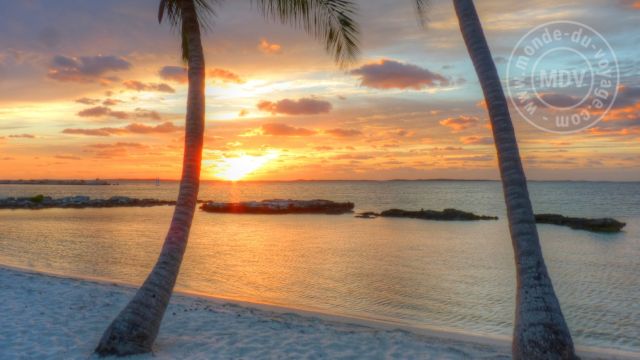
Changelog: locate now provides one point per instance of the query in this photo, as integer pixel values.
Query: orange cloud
(460, 123)
(225, 76)
(133, 128)
(303, 106)
(116, 145)
(276, 129)
(343, 132)
(87, 101)
(22, 136)
(100, 111)
(269, 48)
(391, 74)
(67, 157)
(476, 140)
(140, 86)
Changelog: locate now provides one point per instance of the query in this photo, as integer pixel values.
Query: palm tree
(136, 327)
(540, 331)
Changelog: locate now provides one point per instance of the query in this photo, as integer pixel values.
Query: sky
(97, 89)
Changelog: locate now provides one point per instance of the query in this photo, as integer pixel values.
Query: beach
(60, 318)
(53, 317)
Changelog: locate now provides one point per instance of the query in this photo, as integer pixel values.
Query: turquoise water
(445, 275)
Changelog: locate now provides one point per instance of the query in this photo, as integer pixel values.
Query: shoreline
(430, 336)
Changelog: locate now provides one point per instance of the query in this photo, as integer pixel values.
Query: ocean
(453, 276)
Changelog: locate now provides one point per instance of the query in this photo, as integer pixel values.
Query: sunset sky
(97, 89)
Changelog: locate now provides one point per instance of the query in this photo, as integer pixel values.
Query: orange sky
(98, 90)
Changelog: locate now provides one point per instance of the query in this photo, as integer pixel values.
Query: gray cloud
(391, 74)
(174, 73)
(303, 106)
(85, 68)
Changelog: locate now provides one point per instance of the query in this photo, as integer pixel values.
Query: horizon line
(313, 180)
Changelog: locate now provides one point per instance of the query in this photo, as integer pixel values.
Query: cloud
(557, 100)
(391, 74)
(460, 123)
(147, 114)
(269, 48)
(343, 132)
(22, 136)
(133, 128)
(472, 158)
(100, 111)
(174, 73)
(140, 86)
(243, 112)
(67, 157)
(225, 76)
(276, 129)
(634, 4)
(117, 145)
(111, 102)
(85, 68)
(476, 140)
(87, 101)
(103, 111)
(303, 106)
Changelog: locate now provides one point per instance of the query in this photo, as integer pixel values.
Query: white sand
(50, 317)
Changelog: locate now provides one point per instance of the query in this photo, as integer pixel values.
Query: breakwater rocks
(77, 202)
(594, 225)
(280, 206)
(446, 215)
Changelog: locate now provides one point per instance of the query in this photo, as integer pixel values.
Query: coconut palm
(540, 331)
(136, 327)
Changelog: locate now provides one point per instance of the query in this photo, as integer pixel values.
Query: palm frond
(422, 9)
(330, 21)
(171, 8)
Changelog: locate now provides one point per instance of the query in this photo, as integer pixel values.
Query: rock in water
(595, 225)
(280, 206)
(446, 214)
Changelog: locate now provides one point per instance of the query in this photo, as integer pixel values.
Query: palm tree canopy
(330, 21)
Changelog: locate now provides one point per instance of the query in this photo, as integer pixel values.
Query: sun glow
(236, 168)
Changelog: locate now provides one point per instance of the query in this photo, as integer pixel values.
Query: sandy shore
(51, 317)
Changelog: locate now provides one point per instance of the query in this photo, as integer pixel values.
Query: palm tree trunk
(540, 331)
(135, 329)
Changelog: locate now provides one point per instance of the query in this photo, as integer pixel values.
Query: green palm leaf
(330, 21)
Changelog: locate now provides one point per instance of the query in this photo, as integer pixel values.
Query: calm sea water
(445, 275)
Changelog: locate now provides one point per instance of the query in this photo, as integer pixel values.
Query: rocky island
(77, 202)
(280, 206)
(594, 225)
(55, 182)
(446, 214)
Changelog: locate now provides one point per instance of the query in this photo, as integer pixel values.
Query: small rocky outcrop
(446, 215)
(77, 202)
(280, 206)
(55, 182)
(595, 225)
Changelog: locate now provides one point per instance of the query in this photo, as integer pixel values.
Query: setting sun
(236, 168)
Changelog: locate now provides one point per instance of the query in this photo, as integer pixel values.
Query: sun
(236, 168)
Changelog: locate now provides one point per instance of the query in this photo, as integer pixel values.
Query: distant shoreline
(55, 182)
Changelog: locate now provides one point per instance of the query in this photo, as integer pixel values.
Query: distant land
(55, 182)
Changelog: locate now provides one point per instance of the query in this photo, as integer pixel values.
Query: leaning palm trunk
(136, 327)
(540, 331)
